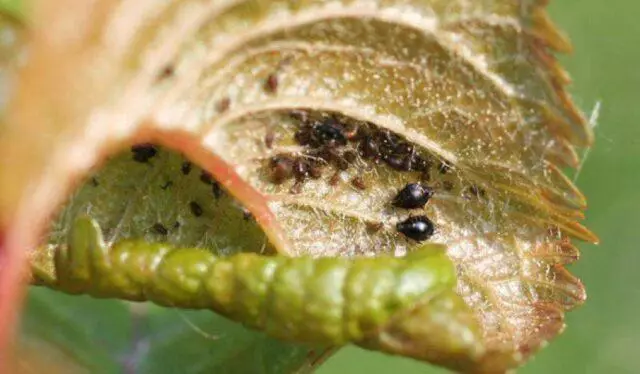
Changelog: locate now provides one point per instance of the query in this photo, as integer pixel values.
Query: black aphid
(413, 196)
(246, 214)
(328, 132)
(216, 189)
(206, 178)
(186, 168)
(94, 182)
(144, 152)
(160, 229)
(196, 209)
(418, 228)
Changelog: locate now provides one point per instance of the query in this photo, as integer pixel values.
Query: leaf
(471, 89)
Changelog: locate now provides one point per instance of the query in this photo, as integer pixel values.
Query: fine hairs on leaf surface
(173, 137)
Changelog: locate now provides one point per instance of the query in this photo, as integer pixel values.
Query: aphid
(206, 178)
(315, 171)
(444, 167)
(185, 168)
(418, 228)
(223, 105)
(246, 214)
(217, 191)
(328, 132)
(281, 167)
(359, 183)
(269, 138)
(271, 84)
(340, 162)
(413, 196)
(350, 156)
(303, 136)
(335, 179)
(167, 72)
(395, 162)
(167, 185)
(160, 229)
(196, 209)
(144, 152)
(419, 163)
(94, 182)
(176, 225)
(368, 148)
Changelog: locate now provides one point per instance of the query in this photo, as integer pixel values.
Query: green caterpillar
(374, 302)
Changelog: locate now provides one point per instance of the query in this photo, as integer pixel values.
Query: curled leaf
(314, 124)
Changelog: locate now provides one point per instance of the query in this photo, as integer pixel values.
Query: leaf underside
(471, 87)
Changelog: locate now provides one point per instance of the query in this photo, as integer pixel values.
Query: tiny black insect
(196, 209)
(328, 132)
(144, 152)
(206, 178)
(413, 196)
(418, 228)
(186, 168)
(246, 214)
(160, 229)
(94, 182)
(216, 189)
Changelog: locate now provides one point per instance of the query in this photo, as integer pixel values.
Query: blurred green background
(603, 336)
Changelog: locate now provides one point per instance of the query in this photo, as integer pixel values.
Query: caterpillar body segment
(318, 300)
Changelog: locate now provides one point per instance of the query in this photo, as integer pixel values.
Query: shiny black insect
(196, 209)
(418, 228)
(206, 178)
(185, 168)
(144, 152)
(160, 229)
(216, 189)
(413, 196)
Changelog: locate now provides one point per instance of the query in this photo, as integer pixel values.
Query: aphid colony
(327, 141)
